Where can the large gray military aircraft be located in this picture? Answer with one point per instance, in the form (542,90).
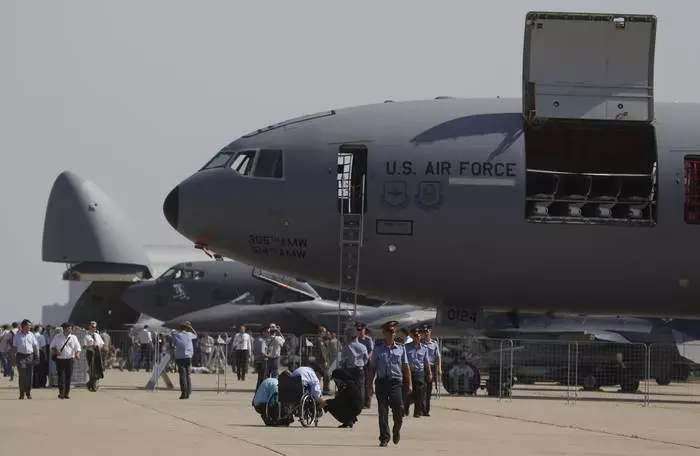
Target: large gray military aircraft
(581,196)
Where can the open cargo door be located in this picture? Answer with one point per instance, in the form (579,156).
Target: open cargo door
(86,229)
(589,66)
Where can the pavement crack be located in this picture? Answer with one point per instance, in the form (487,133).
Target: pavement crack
(572,426)
(199,425)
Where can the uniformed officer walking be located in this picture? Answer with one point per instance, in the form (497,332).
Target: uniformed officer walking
(182,343)
(66,348)
(391,367)
(93,343)
(355,357)
(435,361)
(25,347)
(417,355)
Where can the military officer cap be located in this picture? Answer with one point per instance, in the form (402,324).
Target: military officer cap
(360,326)
(66,325)
(390,324)
(426,327)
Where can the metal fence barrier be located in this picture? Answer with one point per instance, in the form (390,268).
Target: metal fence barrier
(504,369)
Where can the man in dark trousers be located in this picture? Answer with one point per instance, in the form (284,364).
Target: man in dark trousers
(25,349)
(260,356)
(435,361)
(182,343)
(391,368)
(66,348)
(366,339)
(421,375)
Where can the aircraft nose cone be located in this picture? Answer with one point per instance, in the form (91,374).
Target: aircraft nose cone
(138,297)
(171,207)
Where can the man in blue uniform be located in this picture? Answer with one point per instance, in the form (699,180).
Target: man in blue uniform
(366,340)
(435,361)
(391,367)
(417,355)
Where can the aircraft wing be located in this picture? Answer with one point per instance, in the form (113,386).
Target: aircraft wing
(608,336)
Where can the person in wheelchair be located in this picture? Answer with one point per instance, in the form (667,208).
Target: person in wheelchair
(279,401)
(310,380)
(265,403)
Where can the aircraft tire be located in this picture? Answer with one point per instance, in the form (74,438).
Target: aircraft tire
(629,385)
(590,383)
(461,379)
(663,381)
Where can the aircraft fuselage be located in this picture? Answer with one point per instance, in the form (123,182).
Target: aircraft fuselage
(446,218)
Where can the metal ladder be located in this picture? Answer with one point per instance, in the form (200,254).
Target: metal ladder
(351,242)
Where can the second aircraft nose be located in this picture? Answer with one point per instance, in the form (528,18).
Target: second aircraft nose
(171,207)
(140,297)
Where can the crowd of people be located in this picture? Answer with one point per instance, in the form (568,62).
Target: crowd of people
(398,371)
(38,353)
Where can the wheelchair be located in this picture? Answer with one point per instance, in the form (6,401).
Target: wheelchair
(292,401)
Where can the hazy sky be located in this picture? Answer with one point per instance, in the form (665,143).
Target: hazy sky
(136,95)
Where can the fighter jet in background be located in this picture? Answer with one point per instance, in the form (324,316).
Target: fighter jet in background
(304,317)
(196,286)
(582,196)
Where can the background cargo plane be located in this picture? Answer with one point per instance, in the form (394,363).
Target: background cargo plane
(583,196)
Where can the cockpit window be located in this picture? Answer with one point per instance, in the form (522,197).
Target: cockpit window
(192,274)
(302,288)
(220,160)
(243,163)
(178,273)
(173,273)
(269,164)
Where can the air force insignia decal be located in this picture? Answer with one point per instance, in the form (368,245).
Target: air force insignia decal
(429,196)
(395,194)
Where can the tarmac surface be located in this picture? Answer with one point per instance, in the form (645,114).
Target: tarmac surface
(123,418)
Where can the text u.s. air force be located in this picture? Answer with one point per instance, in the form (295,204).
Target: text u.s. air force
(451,168)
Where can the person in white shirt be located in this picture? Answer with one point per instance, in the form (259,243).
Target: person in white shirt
(206,348)
(6,343)
(93,343)
(66,348)
(310,380)
(242,346)
(25,349)
(274,350)
(145,339)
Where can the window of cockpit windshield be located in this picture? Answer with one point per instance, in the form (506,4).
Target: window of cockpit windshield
(219,160)
(172,274)
(192,274)
(243,163)
(269,164)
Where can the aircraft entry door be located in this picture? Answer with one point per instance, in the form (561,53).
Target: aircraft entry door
(351,180)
